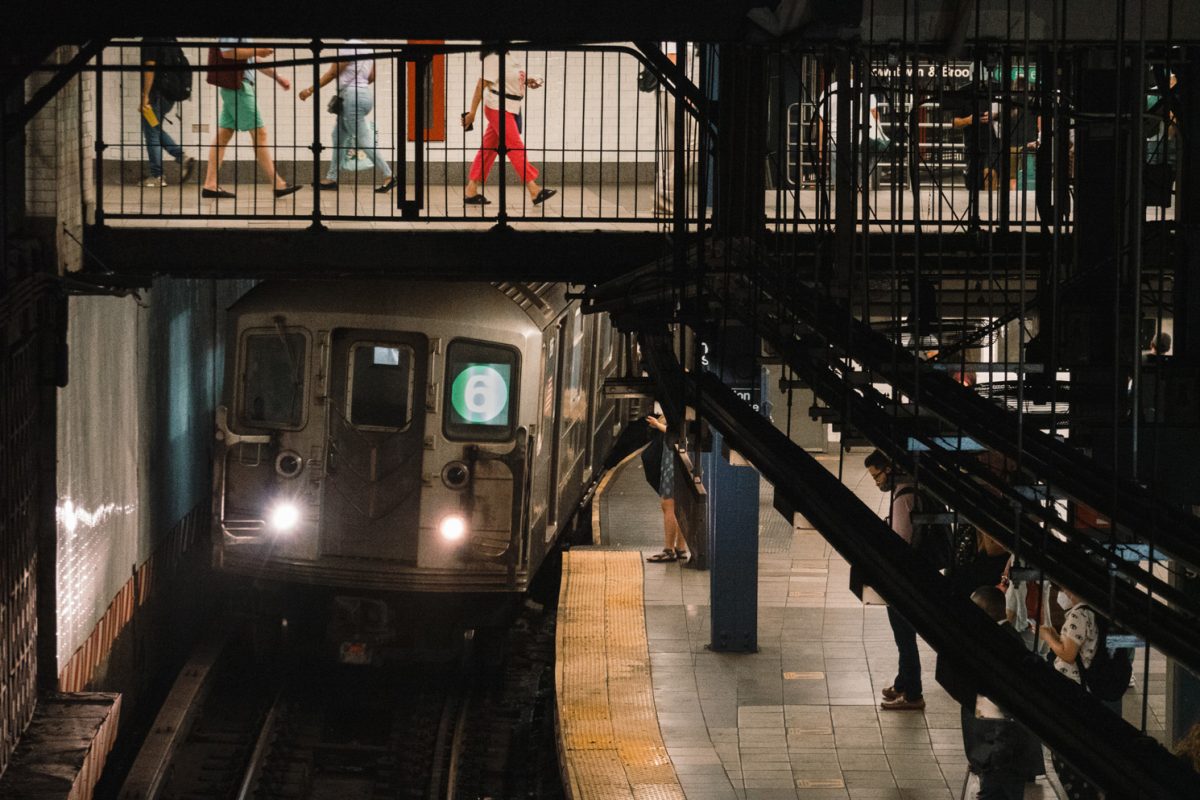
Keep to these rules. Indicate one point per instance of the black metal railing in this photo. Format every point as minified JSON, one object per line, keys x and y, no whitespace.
{"x":601,"y":146}
{"x":984,"y":141}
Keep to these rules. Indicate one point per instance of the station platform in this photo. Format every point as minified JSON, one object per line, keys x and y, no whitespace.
{"x":62,"y":752}
{"x":798,"y":720}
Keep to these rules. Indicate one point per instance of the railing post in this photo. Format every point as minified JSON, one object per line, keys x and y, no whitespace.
{"x":419,"y":100}
{"x":98,"y":167}
{"x":679,"y":157}
{"x":316,"y":134}
{"x":502,"y":146}
{"x":400,"y":78}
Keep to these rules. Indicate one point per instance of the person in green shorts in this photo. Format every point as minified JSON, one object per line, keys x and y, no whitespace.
{"x":239,"y":112}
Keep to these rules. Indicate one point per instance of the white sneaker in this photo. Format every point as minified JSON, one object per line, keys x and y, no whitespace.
{"x":154,"y":183}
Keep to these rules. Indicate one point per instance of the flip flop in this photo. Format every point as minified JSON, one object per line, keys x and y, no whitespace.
{"x":664,"y":556}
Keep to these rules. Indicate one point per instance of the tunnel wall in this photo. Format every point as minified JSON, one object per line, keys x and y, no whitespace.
{"x":135,"y":423}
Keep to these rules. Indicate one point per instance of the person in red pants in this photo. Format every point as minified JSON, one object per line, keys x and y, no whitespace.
{"x":487,"y":90}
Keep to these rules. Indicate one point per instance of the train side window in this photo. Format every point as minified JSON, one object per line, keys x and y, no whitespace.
{"x":273,"y":379}
{"x":481,"y":391}
{"x":381,"y":386}
{"x":607,"y":351}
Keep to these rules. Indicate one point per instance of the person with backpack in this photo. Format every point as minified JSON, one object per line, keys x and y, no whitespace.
{"x":905,"y":693}
{"x":166,"y":80}
{"x":1075,"y":647}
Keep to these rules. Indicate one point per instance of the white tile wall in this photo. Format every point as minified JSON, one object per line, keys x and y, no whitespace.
{"x":59,"y":151}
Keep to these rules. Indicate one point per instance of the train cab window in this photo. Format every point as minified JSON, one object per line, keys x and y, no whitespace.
{"x":273,"y":379}
{"x":481,"y":390}
{"x":381,"y":386}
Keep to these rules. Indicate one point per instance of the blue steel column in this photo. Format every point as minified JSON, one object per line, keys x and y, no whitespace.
{"x":738,"y":213}
{"x":733,"y":512}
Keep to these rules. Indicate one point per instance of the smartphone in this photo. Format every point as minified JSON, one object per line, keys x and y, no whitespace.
{"x":464,"y":116}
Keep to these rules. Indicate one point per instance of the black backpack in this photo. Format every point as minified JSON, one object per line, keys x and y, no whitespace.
{"x":173,"y":75}
{"x":930,"y":539}
{"x":1107,"y":677}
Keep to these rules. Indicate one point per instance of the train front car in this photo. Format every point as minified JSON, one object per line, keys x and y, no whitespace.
{"x":407,"y":451}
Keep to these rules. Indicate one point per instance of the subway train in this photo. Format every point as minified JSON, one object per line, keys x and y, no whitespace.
{"x":407,"y":453}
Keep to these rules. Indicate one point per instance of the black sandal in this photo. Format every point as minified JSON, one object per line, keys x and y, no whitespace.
{"x":681,"y":555}
{"x":543,"y":196}
{"x":666,"y":555}
{"x":476,"y":200}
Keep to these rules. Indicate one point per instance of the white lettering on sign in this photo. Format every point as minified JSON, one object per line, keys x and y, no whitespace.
{"x":959,"y":70}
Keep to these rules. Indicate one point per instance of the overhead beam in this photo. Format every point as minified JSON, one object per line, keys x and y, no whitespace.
{"x":568,"y":256}
{"x":478,"y":20}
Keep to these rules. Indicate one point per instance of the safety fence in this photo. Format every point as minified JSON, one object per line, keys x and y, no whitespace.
{"x":983,"y":140}
{"x":586,"y":132}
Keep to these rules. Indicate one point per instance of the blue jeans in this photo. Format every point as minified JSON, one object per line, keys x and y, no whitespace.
{"x":908,"y":676}
{"x":157,"y":139}
{"x":351,"y":128}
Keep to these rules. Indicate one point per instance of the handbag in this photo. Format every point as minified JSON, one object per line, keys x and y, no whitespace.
{"x":225,"y":78}
{"x":652,"y":456}
{"x":336,"y":104}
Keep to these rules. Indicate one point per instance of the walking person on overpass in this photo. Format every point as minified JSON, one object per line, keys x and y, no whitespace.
{"x":488,"y":89}
{"x":239,"y":112}
{"x":355,"y":75}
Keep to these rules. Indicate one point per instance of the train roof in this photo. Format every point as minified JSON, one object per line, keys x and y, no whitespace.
{"x":539,"y":302}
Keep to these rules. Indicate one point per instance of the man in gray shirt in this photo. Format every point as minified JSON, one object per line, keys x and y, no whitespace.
{"x":905,"y":693}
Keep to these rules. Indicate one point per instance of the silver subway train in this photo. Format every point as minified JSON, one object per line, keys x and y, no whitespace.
{"x":380,"y":439}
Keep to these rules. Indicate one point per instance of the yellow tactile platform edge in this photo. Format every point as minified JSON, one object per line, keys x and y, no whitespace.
{"x":608,"y":736}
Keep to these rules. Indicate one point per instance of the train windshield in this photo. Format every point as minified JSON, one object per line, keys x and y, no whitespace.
{"x":481,"y":382}
{"x":273,"y":379}
{"x":381,"y":385}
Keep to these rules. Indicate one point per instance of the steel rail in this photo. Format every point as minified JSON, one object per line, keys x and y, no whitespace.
{"x":1082,"y":478}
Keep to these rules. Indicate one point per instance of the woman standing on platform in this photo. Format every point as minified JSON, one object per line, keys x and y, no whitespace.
{"x":355,"y":99}
{"x":1074,"y":645}
{"x":488,"y":89}
{"x":659,"y":452}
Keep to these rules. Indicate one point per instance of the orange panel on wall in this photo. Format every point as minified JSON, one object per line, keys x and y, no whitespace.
{"x":435,"y":97}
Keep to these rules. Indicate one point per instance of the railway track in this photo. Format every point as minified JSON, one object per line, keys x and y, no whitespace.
{"x":249,"y":729}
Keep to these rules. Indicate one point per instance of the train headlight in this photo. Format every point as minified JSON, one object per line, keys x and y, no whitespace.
{"x":284,"y":516}
{"x":288,"y":464}
{"x":455,"y":475}
{"x":452,"y":528}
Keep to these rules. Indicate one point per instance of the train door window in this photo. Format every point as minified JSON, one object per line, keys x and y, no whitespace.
{"x":481,"y":389}
{"x":575,"y":377}
{"x":381,"y":386}
{"x":273,"y":379}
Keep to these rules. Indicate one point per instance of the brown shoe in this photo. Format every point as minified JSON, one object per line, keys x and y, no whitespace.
{"x":890,"y":693}
{"x":902,"y":703}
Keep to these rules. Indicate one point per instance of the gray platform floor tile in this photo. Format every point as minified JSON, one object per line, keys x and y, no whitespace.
{"x":799,"y":719}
